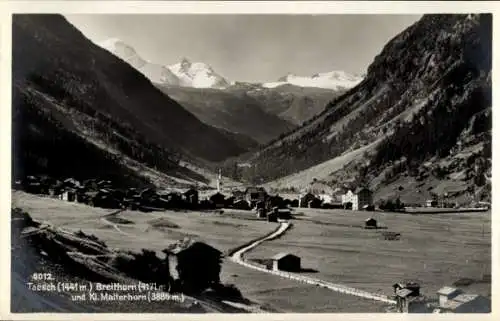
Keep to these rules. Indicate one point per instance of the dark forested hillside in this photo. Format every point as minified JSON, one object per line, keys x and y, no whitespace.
{"x":426,"y":98}
{"x":259,"y":113}
{"x":77,"y":106}
{"x":236,"y":113}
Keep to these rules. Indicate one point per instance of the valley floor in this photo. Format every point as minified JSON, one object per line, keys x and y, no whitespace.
{"x":436,"y":250}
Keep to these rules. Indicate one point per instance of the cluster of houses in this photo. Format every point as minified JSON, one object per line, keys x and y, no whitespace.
{"x":360,"y":198}
{"x":103,"y":193}
{"x":449,"y":300}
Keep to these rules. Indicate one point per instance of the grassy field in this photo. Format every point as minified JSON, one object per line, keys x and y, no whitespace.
{"x":435,"y":250}
{"x":284,"y":295}
{"x":136,"y":230}
{"x":156,"y":230}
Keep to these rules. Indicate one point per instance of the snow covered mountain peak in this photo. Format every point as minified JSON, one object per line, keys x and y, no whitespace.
{"x":120,"y":49}
{"x":154,"y":72}
{"x":335,"y":80}
{"x":186,"y":73}
{"x":198,"y":75}
{"x":185,"y":64}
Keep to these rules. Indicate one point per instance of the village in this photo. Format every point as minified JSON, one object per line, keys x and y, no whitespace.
{"x":271,"y":208}
{"x":102,"y":193}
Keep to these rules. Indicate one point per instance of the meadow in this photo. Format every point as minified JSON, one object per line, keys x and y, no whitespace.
{"x":435,"y":250}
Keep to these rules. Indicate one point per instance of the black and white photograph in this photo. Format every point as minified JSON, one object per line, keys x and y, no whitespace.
{"x":251,"y":163}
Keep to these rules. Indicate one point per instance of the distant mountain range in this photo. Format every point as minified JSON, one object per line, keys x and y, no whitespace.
{"x":335,"y":80}
{"x":184,"y":73}
{"x":260,"y":112}
{"x":201,"y":75}
{"x":154,"y":72}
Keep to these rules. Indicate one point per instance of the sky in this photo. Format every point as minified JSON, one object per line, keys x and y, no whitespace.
{"x":253,"y":48}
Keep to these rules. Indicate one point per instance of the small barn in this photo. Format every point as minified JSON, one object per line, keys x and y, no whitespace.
{"x":306,"y":199}
{"x":447,"y":293}
{"x":285,"y":262}
{"x":196,"y":265}
{"x":218,"y":199}
{"x":403,"y":300}
{"x":68,"y":195}
{"x":294,"y":203}
{"x":276,"y":201}
{"x":453,"y":300}
{"x":255,"y":194}
{"x":431,"y":203}
{"x":287,"y":202}
{"x":413,"y":287}
{"x":241,"y":205}
{"x":283,"y":214}
{"x":33,"y":187}
{"x":191,"y":196}
{"x":370,"y":223}
{"x":229,"y":202}
{"x":314,"y":203}
{"x":173,"y":197}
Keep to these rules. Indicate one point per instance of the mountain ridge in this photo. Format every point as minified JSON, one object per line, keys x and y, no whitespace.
{"x":201,"y":75}
{"x":334,"y":80}
{"x":185,"y":73}
{"x":68,"y":92}
{"x":431,"y":80}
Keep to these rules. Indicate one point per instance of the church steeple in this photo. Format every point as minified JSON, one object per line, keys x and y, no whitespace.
{"x":219,"y":179}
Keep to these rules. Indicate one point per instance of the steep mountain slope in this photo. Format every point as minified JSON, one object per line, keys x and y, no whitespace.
{"x":235,"y":113}
{"x":335,"y":80}
{"x":425,"y":106}
{"x":79,"y":110}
